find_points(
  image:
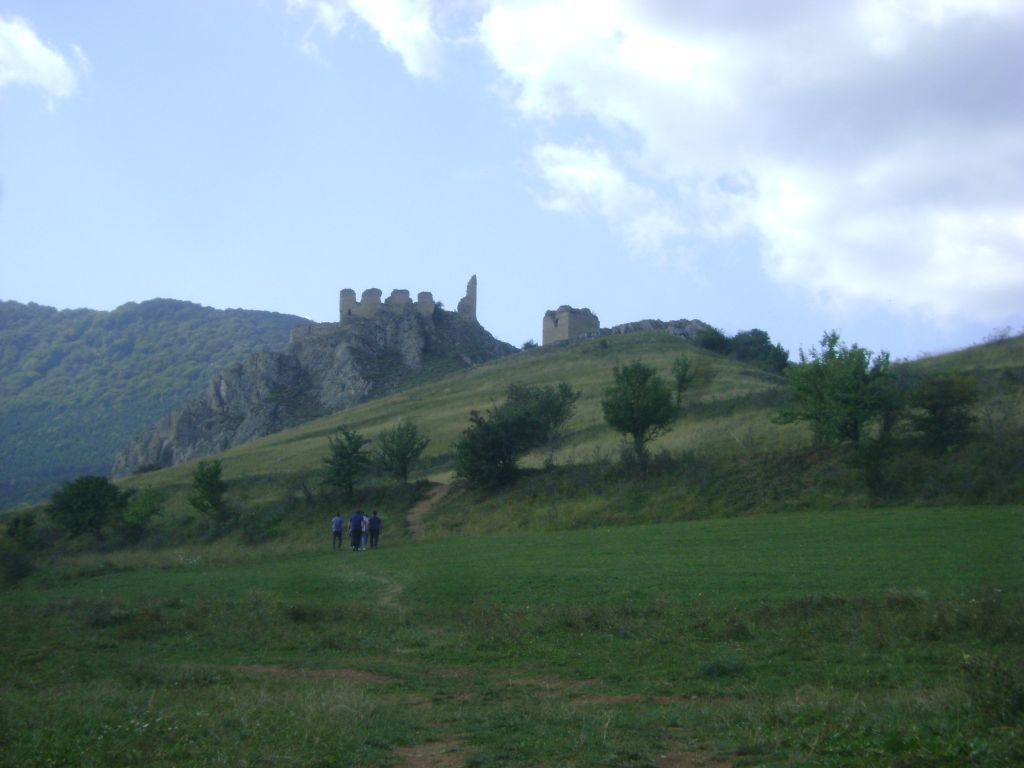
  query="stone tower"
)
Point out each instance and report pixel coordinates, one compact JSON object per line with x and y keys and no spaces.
{"x":467,"y":304}
{"x":567,"y":323}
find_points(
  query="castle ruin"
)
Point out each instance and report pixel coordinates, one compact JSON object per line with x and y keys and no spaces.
{"x":567,"y":323}
{"x":399,"y":301}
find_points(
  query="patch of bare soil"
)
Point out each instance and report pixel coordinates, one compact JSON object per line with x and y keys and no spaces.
{"x":438,"y":754}
{"x":419,"y":510}
{"x":660,"y":699}
{"x":681,"y":759}
{"x":292,"y":673}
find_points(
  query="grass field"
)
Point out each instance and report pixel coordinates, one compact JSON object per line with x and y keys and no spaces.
{"x":832,"y":638}
{"x":750,"y":601}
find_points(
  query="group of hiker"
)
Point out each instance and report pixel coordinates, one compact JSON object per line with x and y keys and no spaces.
{"x":363,"y":531}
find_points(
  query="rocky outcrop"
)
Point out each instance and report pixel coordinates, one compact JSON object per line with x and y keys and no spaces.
{"x":327,"y":367}
{"x":688,"y":329}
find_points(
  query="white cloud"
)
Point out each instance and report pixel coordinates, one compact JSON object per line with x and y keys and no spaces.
{"x":583,"y":179}
{"x":403,"y":26}
{"x":26,"y":60}
{"x":876,"y":148}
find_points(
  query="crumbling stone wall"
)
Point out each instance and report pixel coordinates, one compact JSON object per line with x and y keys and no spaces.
{"x":370,"y":305}
{"x":567,"y":323}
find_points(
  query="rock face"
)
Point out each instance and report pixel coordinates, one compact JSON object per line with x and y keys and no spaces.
{"x":688,"y":329}
{"x":327,"y":367}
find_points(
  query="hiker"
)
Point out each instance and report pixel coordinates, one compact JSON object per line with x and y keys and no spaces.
{"x":375,"y":527}
{"x":366,"y":530}
{"x":337,"y":526}
{"x":355,"y":530}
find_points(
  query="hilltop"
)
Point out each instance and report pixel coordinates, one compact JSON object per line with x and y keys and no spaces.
{"x":77,"y":384}
{"x":375,"y":348}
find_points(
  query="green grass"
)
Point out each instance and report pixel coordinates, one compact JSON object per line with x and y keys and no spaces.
{"x":881,"y":637}
{"x":748,"y":600}
{"x":727,"y":454}
{"x":730,"y":411}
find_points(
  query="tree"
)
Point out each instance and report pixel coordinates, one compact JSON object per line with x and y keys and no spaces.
{"x":639,"y":405}
{"x":86,"y":503}
{"x":713,"y":340}
{"x":546,"y":410}
{"x":142,"y":506}
{"x":208,"y":491}
{"x":838,"y":390}
{"x":945,"y":416}
{"x":347,"y":459}
{"x":755,"y":346}
{"x":399,"y":449}
{"x":683,"y":372}
{"x":488,"y":452}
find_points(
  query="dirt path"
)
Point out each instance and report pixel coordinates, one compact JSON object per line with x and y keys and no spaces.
{"x":421,"y":507}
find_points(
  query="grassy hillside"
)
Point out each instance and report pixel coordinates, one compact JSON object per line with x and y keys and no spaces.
{"x":76,"y":385}
{"x":726,"y":455}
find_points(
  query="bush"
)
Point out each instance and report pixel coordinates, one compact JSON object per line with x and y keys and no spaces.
{"x":945,"y":416}
{"x":87,"y":503}
{"x":26,"y":534}
{"x":208,"y":490}
{"x":488,"y":452}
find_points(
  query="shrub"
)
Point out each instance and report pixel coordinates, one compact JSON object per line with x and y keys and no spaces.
{"x":945,"y":416}
{"x":87,"y":503}
{"x":489,"y":449}
{"x":15,"y":564}
{"x":208,"y":491}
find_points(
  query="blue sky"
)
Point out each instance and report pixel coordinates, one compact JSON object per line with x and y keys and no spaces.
{"x":794,"y":166}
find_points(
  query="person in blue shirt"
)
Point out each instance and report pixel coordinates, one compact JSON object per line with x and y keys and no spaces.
{"x":355,"y":530}
{"x":374,"y":528}
{"x":337,"y":526}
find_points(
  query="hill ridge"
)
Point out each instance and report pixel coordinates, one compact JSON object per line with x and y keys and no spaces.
{"x":76,"y":384}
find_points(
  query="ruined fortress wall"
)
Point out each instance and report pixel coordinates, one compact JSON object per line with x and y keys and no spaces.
{"x":467,"y":305}
{"x":567,"y":323}
{"x":399,"y":301}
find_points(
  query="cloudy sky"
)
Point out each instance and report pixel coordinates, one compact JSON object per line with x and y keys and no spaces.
{"x":796,"y":166}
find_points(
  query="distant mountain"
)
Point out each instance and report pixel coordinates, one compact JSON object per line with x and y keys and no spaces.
{"x":77,"y":385}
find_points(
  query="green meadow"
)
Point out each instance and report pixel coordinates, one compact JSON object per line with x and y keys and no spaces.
{"x":881,"y":637}
{"x":750,"y":601}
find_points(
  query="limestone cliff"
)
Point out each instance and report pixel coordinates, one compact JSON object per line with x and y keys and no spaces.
{"x":327,"y":367}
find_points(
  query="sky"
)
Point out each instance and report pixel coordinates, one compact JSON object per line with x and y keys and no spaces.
{"x":797,"y":166}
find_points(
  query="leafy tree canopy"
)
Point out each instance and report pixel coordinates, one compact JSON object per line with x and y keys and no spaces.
{"x":838,"y":390}
{"x":347,"y":459}
{"x":87,"y":503}
{"x":639,"y":405}
{"x":398,"y":449}
{"x":76,"y":385}
{"x":488,"y":451}
{"x":208,"y":491}
{"x":753,"y":346}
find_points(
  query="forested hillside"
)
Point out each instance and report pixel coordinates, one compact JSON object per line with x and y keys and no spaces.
{"x":76,"y":385}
